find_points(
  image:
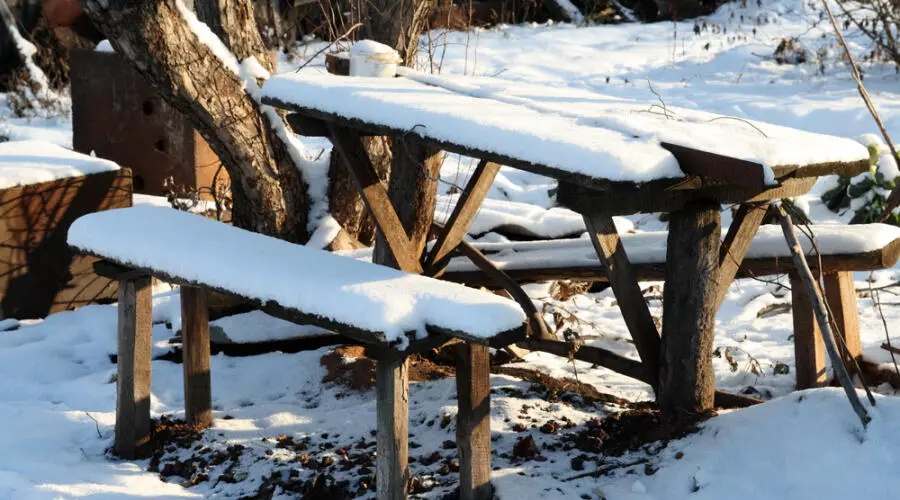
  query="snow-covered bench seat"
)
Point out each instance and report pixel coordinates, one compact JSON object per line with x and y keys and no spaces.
{"x":842,"y":250}
{"x":862,"y":247}
{"x":393,"y":312}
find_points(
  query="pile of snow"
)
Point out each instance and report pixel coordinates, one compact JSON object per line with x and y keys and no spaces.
{"x":32,"y":162}
{"x":374,"y":298}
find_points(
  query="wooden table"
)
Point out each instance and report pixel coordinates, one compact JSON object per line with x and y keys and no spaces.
{"x":611,"y":157}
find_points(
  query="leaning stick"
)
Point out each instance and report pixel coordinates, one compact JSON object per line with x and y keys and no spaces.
{"x":821,"y":313}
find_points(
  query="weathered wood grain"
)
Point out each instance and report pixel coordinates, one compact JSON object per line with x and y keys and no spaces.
{"x":133,"y":368}
{"x":809,"y":348}
{"x":841,"y":296}
{"x":392,"y":406}
{"x":473,"y":422}
{"x":195,"y":354}
{"x":687,"y":381}
{"x":623,"y":280}
{"x":743,"y":228}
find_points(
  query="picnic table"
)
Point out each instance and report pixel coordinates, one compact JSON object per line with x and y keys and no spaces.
{"x":611,"y":157}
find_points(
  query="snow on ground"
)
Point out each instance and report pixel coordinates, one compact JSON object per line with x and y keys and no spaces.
{"x":57,"y":391}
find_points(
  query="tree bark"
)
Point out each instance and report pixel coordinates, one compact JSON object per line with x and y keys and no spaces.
{"x":271,"y":196}
{"x":234,"y":23}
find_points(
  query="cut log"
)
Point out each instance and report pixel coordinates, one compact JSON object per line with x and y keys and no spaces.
{"x":809,"y":348}
{"x":133,"y":368}
{"x":473,"y":422}
{"x":687,"y":381}
{"x":195,"y":353}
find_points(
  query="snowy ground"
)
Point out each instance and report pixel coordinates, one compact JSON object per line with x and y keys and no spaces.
{"x":57,"y":380}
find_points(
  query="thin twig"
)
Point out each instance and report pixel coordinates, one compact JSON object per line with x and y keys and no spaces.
{"x":96,"y":424}
{"x":323,"y":49}
{"x":893,"y":200}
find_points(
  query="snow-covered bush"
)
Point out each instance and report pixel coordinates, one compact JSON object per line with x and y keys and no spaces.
{"x":865,"y":194}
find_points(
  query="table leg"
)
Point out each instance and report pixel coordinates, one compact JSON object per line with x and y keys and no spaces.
{"x":623,"y":281}
{"x":687,"y":381}
{"x":392,"y":407}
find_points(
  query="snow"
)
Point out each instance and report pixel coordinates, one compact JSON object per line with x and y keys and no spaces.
{"x":56,"y":374}
{"x":741,"y":138}
{"x":384,"y":52}
{"x":104,"y":46}
{"x":373,"y":298}
{"x":32,"y":162}
{"x":257,"y":326}
{"x":483,"y":124}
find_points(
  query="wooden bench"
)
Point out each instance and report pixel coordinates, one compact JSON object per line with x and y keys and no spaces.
{"x":393,"y":313}
{"x":842,"y":250}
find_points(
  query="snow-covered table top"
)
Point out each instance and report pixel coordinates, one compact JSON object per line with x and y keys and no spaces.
{"x":33,"y":162}
{"x":375,"y":299}
{"x":569,"y":132}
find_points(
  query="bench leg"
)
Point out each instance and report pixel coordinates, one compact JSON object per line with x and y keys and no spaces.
{"x":473,"y":422}
{"x":809,"y":347}
{"x":392,"y":406}
{"x":133,"y":365}
{"x":195,"y":352}
{"x":841,"y":296}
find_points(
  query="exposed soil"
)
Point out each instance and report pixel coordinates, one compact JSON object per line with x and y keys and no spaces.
{"x":632,"y":430}
{"x":349,"y":366}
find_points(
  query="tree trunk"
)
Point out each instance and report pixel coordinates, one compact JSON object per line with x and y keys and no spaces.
{"x":271,"y":196}
{"x":234,"y":23}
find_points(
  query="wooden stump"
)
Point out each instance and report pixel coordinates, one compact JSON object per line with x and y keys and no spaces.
{"x":133,"y":379}
{"x":687,"y":381}
{"x":195,"y":354}
{"x":841,"y":296}
{"x":392,"y":388}
{"x":473,"y":422}
{"x":809,"y":347}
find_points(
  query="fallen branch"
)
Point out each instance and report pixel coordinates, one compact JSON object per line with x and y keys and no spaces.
{"x":821,"y":313}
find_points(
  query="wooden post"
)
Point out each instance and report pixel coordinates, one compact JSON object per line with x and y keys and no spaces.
{"x":841,"y":296}
{"x":809,"y":348}
{"x":623,"y":281}
{"x":473,"y":422}
{"x":687,"y":382}
{"x":195,"y":353}
{"x":740,"y":234}
{"x":134,"y":356}
{"x":392,"y":406}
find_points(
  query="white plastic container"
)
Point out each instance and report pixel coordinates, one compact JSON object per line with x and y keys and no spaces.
{"x":370,"y":58}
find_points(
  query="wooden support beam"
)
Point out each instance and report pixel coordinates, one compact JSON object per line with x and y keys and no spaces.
{"x":687,"y":382}
{"x":347,"y":142}
{"x":195,"y":353}
{"x":133,"y":370}
{"x":392,"y":407}
{"x":809,"y":348}
{"x":623,"y":281}
{"x":473,"y":422}
{"x":840,"y":293}
{"x":744,"y":227}
{"x":467,"y":206}
{"x":537,"y":327}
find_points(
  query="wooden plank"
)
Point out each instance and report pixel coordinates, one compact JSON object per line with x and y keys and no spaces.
{"x":743,"y":228}
{"x":670,"y":196}
{"x":809,"y":348}
{"x":810,"y":171}
{"x":133,"y":368}
{"x":392,"y":406}
{"x":412,"y":193}
{"x":840,"y":293}
{"x":687,"y":382}
{"x":347,"y":143}
{"x":457,"y":224}
{"x":473,"y":422}
{"x":623,"y":280}
{"x":536,"y":325}
{"x":884,"y":258}
{"x":195,"y":354}
{"x":733,"y":170}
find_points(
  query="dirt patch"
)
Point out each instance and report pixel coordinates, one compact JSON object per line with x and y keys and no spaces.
{"x":632,"y":430}
{"x":554,"y":389}
{"x":349,"y":366}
